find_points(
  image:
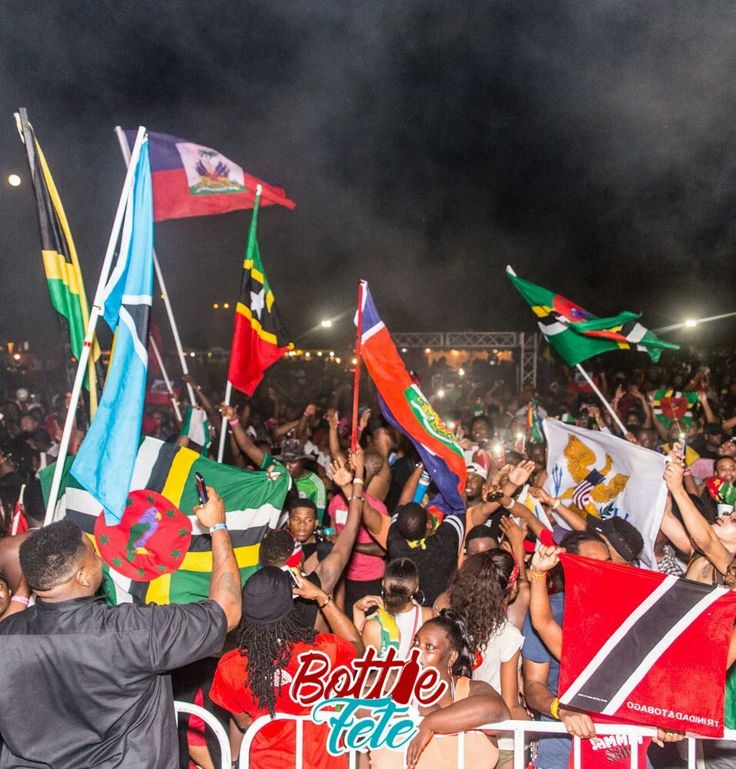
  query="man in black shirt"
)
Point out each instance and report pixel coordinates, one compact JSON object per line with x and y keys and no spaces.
{"x":92,"y":675}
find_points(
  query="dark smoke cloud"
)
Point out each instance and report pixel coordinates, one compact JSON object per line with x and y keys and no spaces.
{"x":427,"y":144}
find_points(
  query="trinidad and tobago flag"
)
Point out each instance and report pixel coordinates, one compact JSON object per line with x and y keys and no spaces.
{"x":404,"y":406}
{"x":645,"y":647}
{"x":576,"y":334}
{"x":193,"y":180}
{"x":259,"y":337}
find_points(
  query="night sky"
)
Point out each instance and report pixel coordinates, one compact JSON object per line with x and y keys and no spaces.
{"x":590,"y":144}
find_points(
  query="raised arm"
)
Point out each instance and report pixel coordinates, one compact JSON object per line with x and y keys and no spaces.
{"x":540,"y":608}
{"x":700,"y":531}
{"x":410,"y":487}
{"x":225,"y":578}
{"x":244,"y":441}
{"x":331,"y":567}
{"x":710,"y":417}
{"x":333,"y":420}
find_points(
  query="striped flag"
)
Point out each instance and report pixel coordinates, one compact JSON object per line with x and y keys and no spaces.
{"x":639,"y":642}
{"x":577,"y":334}
{"x":253,"y":503}
{"x":674,"y":406}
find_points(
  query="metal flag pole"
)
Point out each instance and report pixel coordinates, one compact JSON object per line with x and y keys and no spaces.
{"x":223,"y":428}
{"x":611,"y":411}
{"x":94,"y":314}
{"x":164,"y":374}
{"x":162,"y":285}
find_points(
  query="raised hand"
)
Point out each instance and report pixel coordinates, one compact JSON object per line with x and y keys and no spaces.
{"x":332,"y":417}
{"x":542,"y":496}
{"x":355,"y":460}
{"x":513,"y":532}
{"x":228,"y":411}
{"x":520,"y":474}
{"x":546,"y":558}
{"x":340,"y":473}
{"x":364,"y":419}
{"x":673,"y":470}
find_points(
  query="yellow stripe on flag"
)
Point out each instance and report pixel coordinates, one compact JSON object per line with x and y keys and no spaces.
{"x":178,"y":474}
{"x":541,"y":311}
{"x":202,"y":561}
{"x":159,"y":589}
{"x":265,"y":335}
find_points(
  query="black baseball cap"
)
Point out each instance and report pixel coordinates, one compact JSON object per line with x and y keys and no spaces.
{"x":267,"y":596}
{"x":625,"y":538}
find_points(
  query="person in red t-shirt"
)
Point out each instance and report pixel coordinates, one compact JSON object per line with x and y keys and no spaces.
{"x":255,"y":679}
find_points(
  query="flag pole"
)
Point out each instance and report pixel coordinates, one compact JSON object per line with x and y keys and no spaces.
{"x":611,"y":411}
{"x":164,"y":373}
{"x":356,"y":380}
{"x":95,"y":312}
{"x":223,"y":429}
{"x":124,"y":148}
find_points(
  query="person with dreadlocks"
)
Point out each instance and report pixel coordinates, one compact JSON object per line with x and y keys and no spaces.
{"x":255,"y":678}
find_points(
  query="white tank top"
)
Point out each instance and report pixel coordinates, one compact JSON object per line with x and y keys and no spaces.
{"x":408,"y":623}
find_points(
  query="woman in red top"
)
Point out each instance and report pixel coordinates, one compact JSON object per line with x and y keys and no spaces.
{"x":255,"y":679}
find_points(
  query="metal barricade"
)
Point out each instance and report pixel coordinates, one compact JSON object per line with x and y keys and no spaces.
{"x":189,"y":708}
{"x":520,"y":729}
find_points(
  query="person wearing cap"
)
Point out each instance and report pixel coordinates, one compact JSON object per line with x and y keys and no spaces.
{"x":95,"y":675}
{"x":255,"y":679}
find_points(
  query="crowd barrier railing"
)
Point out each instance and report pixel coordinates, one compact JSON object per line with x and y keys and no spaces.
{"x":188,"y":708}
{"x":520,"y":731}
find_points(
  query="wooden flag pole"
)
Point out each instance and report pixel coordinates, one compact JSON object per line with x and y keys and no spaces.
{"x":356,"y":380}
{"x":94,"y":314}
{"x":162,"y":285}
{"x":610,"y":408}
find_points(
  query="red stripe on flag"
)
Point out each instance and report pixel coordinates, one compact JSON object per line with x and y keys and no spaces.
{"x":251,"y":355}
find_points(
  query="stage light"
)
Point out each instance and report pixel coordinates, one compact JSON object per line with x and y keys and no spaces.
{"x":226,"y":306}
{"x":215,"y":306}
{"x":690,"y":323}
{"x":326,"y":323}
{"x":427,"y":350}
{"x":14,"y":180}
{"x":440,"y":393}
{"x":403,"y":349}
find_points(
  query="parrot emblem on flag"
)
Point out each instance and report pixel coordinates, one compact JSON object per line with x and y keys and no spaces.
{"x":141,"y":531}
{"x":593,"y":485}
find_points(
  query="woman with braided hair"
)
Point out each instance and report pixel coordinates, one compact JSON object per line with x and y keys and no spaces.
{"x":481,"y":592}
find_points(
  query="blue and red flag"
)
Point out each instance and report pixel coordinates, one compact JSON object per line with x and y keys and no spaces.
{"x":404,"y":406}
{"x":193,"y":180}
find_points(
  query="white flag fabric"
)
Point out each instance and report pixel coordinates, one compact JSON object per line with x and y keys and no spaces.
{"x":600,"y":475}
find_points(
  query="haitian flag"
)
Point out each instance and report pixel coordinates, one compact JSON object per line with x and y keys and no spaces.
{"x":577,"y":334}
{"x":646,"y":648}
{"x":404,"y":406}
{"x":259,"y":337}
{"x":193,"y":180}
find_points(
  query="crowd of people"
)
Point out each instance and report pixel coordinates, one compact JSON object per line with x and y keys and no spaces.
{"x":363,"y":560}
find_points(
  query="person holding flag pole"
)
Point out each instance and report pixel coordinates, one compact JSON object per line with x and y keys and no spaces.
{"x":95,"y":313}
{"x":358,"y":353}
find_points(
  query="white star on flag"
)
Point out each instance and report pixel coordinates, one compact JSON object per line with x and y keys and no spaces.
{"x":257,"y":302}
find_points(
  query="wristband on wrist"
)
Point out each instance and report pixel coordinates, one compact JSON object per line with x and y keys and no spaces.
{"x":233,"y":421}
{"x":358,"y":480}
{"x":508,"y":507}
{"x":21,"y":599}
{"x":536,"y":574}
{"x":555,"y":503}
{"x":329,"y":600}
{"x":218,"y":527}
{"x":354,"y":497}
{"x":554,"y":709}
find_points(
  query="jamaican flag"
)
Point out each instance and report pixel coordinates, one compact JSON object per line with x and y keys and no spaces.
{"x":253,"y":504}
{"x":259,"y":337}
{"x":577,"y":334}
{"x":60,"y":262}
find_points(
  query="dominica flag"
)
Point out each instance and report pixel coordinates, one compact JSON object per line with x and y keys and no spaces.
{"x":60,"y":261}
{"x":190,"y":179}
{"x":577,"y":334}
{"x":639,"y":641}
{"x":259,"y":337}
{"x":163,"y":531}
{"x":404,"y":406}
{"x":674,"y":406}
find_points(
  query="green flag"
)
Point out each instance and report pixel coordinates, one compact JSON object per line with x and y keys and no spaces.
{"x":576,"y":334}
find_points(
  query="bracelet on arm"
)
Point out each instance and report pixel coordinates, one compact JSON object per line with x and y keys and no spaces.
{"x":555,"y":504}
{"x":554,"y":709}
{"x":536,"y":574}
{"x":359,"y":480}
{"x":350,"y":499}
{"x":233,"y":422}
{"x":508,"y":507}
{"x":329,"y":600}
{"x":217,"y":527}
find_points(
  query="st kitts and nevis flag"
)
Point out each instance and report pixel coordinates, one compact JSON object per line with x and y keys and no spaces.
{"x":648,"y":648}
{"x":404,"y":406}
{"x":259,"y":337}
{"x":104,"y":464}
{"x":253,"y":504}
{"x":60,"y":261}
{"x":576,"y":334}
{"x":190,"y":179}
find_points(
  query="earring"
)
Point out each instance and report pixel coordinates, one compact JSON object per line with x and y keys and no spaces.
{"x":416,"y":598}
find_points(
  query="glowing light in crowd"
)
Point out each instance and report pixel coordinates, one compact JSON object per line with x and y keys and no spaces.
{"x":690,"y":323}
{"x":215,"y":306}
{"x":14,"y":180}
{"x":332,"y":354}
{"x":461,"y":372}
{"x":440,"y":393}
{"x":226,"y":305}
{"x":403,"y":349}
{"x":326,"y":323}
{"x":307,"y":354}
{"x":16,"y":356}
{"x":354,"y":361}
{"x":319,"y":354}
{"x":428,"y":350}
{"x":338,"y":360}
